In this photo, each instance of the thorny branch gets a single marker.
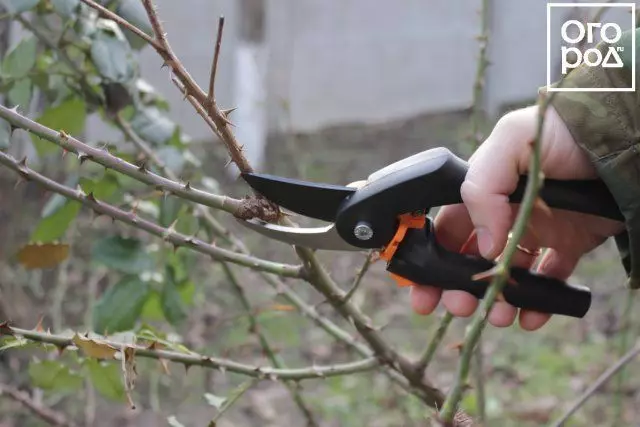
(195, 359)
(435, 341)
(269, 352)
(46, 414)
(318, 277)
(218, 229)
(130, 218)
(476, 119)
(106, 159)
(397, 366)
(501, 272)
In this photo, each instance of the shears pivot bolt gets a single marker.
(363, 231)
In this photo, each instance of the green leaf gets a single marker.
(106, 378)
(20, 94)
(69, 116)
(127, 255)
(66, 8)
(102, 189)
(21, 59)
(18, 6)
(121, 305)
(54, 226)
(58, 213)
(169, 210)
(53, 375)
(134, 12)
(172, 158)
(5, 134)
(152, 309)
(112, 57)
(153, 126)
(172, 305)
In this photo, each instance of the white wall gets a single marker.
(335, 61)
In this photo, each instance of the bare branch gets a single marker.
(214, 65)
(46, 414)
(358, 279)
(195, 359)
(104, 158)
(175, 238)
(501, 272)
(430, 351)
(264, 343)
(320, 280)
(602, 379)
(121, 21)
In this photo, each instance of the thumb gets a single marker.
(493, 175)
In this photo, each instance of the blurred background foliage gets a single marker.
(67, 270)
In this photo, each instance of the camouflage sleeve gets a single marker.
(607, 126)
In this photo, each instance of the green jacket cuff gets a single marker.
(607, 126)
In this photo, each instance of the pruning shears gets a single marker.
(389, 213)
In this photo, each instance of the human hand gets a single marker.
(482, 223)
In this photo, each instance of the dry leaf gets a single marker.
(130, 373)
(94, 348)
(43, 255)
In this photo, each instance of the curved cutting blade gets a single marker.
(320, 201)
(324, 238)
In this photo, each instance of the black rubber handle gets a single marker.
(420, 259)
(433, 178)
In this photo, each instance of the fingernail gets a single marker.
(485, 241)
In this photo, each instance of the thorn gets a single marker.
(23, 162)
(143, 167)
(91, 197)
(187, 186)
(63, 135)
(39, 327)
(64, 152)
(82, 156)
(228, 111)
(175, 246)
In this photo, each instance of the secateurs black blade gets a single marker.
(390, 211)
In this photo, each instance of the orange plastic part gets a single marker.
(406, 221)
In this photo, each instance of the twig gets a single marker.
(121, 21)
(430, 351)
(480, 80)
(195, 359)
(602, 379)
(104, 158)
(214, 66)
(500, 272)
(276, 361)
(237, 393)
(167, 234)
(624, 339)
(322, 282)
(478, 370)
(318, 277)
(46, 414)
(191, 87)
(358, 279)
